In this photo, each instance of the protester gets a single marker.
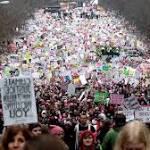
(86, 63)
(44, 129)
(87, 141)
(69, 137)
(106, 126)
(57, 131)
(35, 129)
(1, 148)
(133, 136)
(110, 138)
(82, 126)
(45, 142)
(15, 137)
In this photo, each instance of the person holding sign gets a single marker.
(15, 137)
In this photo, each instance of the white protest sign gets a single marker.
(83, 79)
(36, 75)
(131, 103)
(145, 108)
(71, 89)
(13, 58)
(143, 115)
(25, 72)
(129, 115)
(18, 101)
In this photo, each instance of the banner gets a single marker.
(18, 101)
(116, 99)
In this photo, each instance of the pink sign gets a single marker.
(116, 98)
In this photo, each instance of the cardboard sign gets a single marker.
(18, 101)
(13, 58)
(129, 115)
(71, 89)
(6, 72)
(143, 115)
(131, 103)
(145, 108)
(116, 99)
(100, 97)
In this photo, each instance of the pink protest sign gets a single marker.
(116, 99)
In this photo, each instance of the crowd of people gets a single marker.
(78, 60)
(118, 137)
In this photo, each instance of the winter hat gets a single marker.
(55, 130)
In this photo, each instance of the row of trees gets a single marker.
(13, 15)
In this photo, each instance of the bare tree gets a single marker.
(136, 11)
(14, 14)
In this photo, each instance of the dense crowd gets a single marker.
(74, 58)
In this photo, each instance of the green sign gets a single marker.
(101, 97)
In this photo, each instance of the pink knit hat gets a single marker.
(55, 130)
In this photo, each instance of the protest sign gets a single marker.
(145, 108)
(76, 80)
(143, 114)
(6, 72)
(116, 99)
(100, 97)
(18, 101)
(71, 89)
(67, 78)
(128, 71)
(83, 79)
(28, 57)
(129, 115)
(13, 58)
(131, 103)
(97, 96)
(105, 68)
